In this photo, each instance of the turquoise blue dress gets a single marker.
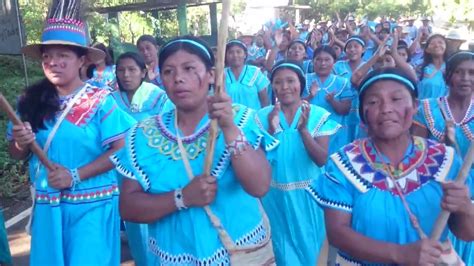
(352, 120)
(287, 204)
(432, 85)
(79, 226)
(5, 257)
(430, 117)
(245, 88)
(356, 183)
(152, 158)
(342, 91)
(105, 79)
(148, 100)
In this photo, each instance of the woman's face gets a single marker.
(354, 51)
(436, 46)
(403, 52)
(323, 64)
(296, 52)
(235, 56)
(186, 80)
(129, 74)
(286, 86)
(386, 61)
(388, 109)
(61, 65)
(149, 51)
(461, 82)
(338, 50)
(317, 36)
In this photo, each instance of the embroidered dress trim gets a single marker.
(431, 161)
(316, 131)
(291, 186)
(327, 202)
(430, 121)
(85, 108)
(219, 257)
(464, 124)
(78, 196)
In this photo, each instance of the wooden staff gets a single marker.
(219, 86)
(34, 147)
(443, 217)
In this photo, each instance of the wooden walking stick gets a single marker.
(34, 147)
(443, 217)
(219, 86)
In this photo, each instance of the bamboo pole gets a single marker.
(443, 217)
(34, 147)
(219, 81)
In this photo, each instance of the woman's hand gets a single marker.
(274, 118)
(23, 135)
(60, 178)
(220, 108)
(456, 197)
(303, 121)
(200, 192)
(423, 252)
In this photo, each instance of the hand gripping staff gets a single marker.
(34, 147)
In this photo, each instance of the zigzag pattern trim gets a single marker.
(327, 202)
(133, 158)
(349, 172)
(121, 169)
(445, 166)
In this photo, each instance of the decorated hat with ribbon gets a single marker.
(64, 26)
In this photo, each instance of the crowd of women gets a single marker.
(336, 138)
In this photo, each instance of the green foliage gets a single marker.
(12, 173)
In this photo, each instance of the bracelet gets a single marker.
(179, 199)
(75, 178)
(238, 145)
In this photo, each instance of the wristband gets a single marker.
(75, 178)
(178, 199)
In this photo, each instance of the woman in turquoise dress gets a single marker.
(137, 97)
(354, 49)
(331, 92)
(245, 84)
(450, 119)
(148, 47)
(75, 217)
(297, 52)
(163, 160)
(5, 257)
(302, 134)
(432, 84)
(141, 100)
(381, 195)
(103, 74)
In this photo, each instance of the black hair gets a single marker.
(293, 42)
(300, 75)
(90, 71)
(168, 50)
(137, 58)
(108, 58)
(390, 70)
(428, 58)
(325, 49)
(147, 38)
(454, 61)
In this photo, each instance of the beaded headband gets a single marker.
(188, 41)
(461, 53)
(356, 39)
(387, 76)
(238, 43)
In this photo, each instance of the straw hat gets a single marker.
(455, 35)
(63, 27)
